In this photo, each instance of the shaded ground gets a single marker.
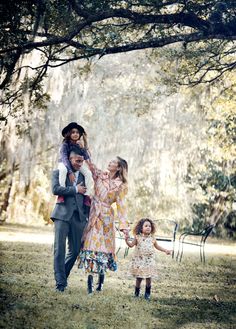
(187, 295)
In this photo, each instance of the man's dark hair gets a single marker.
(76, 150)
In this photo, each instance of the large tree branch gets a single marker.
(185, 19)
(74, 30)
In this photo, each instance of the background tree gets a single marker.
(215, 177)
(65, 31)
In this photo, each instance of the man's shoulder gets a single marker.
(55, 172)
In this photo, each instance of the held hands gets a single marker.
(80, 188)
(126, 234)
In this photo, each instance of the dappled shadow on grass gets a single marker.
(179, 312)
(181, 298)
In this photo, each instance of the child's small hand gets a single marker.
(80, 188)
(126, 233)
(80, 143)
(72, 177)
(168, 252)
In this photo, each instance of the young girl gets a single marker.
(74, 137)
(143, 261)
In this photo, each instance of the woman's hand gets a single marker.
(126, 234)
(80, 188)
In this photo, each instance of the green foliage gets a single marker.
(216, 174)
(230, 224)
(200, 214)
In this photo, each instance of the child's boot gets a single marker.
(100, 282)
(137, 292)
(90, 284)
(147, 293)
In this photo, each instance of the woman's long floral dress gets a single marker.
(98, 252)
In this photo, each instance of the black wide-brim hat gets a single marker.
(70, 126)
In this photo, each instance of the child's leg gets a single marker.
(62, 180)
(138, 282)
(88, 179)
(148, 289)
(62, 174)
(148, 282)
(137, 287)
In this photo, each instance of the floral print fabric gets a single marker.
(143, 263)
(98, 252)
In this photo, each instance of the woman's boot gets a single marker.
(90, 284)
(147, 293)
(100, 282)
(136, 292)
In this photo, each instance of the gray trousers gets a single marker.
(63, 263)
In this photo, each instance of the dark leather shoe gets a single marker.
(60, 288)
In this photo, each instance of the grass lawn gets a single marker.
(186, 295)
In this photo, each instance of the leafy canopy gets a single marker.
(64, 31)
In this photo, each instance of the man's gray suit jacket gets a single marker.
(73, 201)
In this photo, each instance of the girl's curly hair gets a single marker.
(139, 226)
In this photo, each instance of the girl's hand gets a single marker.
(72, 177)
(168, 252)
(80, 188)
(80, 143)
(126, 234)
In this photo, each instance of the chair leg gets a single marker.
(118, 250)
(126, 252)
(178, 253)
(182, 250)
(173, 247)
(203, 253)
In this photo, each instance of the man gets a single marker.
(70, 219)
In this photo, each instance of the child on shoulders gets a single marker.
(74, 137)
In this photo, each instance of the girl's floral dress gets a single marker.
(98, 252)
(143, 263)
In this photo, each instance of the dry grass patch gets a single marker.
(187, 295)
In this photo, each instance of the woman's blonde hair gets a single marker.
(122, 171)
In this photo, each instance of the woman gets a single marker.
(98, 252)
